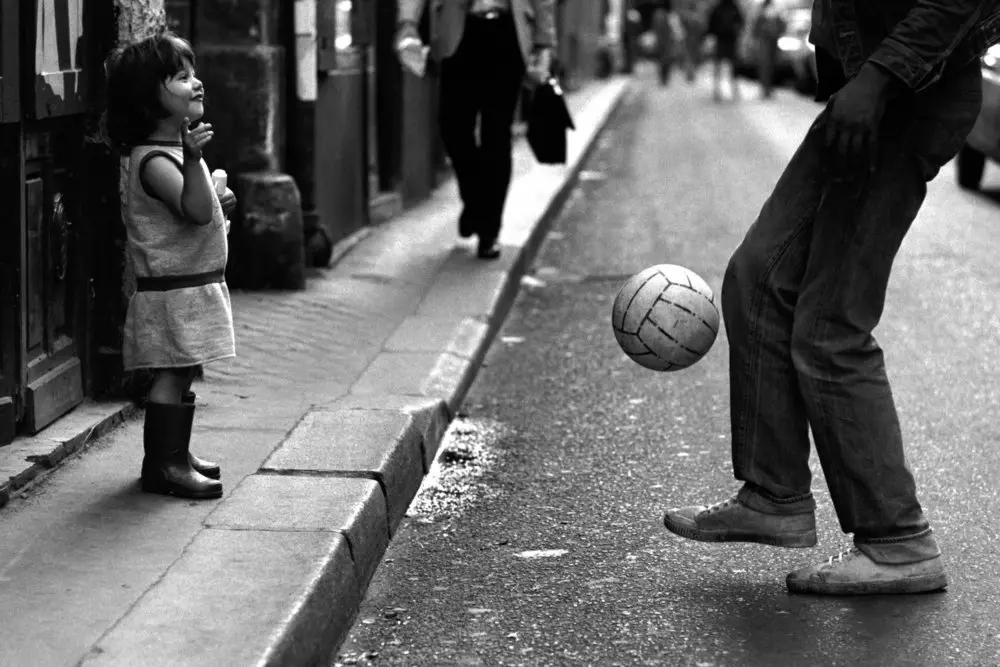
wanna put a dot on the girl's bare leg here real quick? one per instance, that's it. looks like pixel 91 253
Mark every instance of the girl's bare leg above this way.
pixel 168 386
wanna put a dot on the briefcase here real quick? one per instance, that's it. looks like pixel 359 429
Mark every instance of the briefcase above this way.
pixel 548 121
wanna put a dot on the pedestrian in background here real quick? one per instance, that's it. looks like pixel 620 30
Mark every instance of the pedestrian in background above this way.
pixel 768 26
pixel 180 315
pixel 807 286
pixel 725 24
pixel 485 47
pixel 669 37
pixel 692 20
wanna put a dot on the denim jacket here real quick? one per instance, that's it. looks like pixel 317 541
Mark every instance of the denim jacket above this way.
pixel 916 40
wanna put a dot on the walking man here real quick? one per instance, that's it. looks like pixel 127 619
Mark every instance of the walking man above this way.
pixel 669 37
pixel 806 287
pixel 484 47
pixel 767 28
pixel 725 23
pixel 692 20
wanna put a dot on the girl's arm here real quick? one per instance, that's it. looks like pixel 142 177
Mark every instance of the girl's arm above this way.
pixel 186 191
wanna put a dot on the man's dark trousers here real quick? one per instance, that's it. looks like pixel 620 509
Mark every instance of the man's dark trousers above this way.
pixel 482 81
pixel 801 297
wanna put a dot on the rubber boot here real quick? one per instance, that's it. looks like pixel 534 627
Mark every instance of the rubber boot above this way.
pixel 206 468
pixel 166 468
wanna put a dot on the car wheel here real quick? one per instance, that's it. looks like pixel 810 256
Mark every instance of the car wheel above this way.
pixel 970 166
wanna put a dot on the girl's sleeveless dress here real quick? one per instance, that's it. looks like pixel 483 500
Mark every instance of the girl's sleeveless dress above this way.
pixel 180 314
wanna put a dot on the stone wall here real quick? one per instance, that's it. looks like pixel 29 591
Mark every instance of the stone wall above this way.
pixel 139 18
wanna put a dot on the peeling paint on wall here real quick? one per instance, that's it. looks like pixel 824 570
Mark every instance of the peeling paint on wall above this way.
pixel 139 18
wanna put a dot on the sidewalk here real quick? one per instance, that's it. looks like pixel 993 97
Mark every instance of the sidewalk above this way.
pixel 324 426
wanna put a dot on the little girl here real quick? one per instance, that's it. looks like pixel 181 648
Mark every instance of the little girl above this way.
pixel 180 315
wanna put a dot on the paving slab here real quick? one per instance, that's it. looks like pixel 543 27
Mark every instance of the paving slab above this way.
pixel 467 290
pixel 375 444
pixel 454 333
pixel 354 507
pixel 399 373
pixel 240 597
pixel 431 415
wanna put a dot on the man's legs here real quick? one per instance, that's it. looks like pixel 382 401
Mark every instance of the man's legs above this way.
pixel 692 46
pixel 840 366
pixel 716 77
pixel 461 86
pixel 733 85
pixel 503 75
pixel 765 69
pixel 800 299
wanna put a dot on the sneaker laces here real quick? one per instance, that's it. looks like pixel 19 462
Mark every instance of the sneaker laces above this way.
pixel 720 505
pixel 846 553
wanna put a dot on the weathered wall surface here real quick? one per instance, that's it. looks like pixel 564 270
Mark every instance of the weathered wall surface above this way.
pixel 138 18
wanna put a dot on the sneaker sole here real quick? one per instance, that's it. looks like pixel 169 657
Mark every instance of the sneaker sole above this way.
pixel 924 584
pixel 787 540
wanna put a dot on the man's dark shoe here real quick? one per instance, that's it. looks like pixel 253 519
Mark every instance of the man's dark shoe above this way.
pixel 853 573
pixel 466 224
pixel 488 249
pixel 732 521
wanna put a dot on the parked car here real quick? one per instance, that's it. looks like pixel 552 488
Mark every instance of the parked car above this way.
pixel 984 140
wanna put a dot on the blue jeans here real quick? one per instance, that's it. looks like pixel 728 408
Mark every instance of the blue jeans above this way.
pixel 800 299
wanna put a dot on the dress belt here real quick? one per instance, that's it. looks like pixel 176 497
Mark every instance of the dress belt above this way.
pixel 167 283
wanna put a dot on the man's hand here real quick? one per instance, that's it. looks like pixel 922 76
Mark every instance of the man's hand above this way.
pixel 410 49
pixel 540 67
pixel 853 118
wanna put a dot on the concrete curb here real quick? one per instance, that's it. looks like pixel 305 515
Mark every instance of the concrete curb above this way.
pixel 323 507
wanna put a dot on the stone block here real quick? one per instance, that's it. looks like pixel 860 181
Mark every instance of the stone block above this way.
pixel 241 597
pixel 452 377
pixel 245 103
pixel 352 506
pixel 466 291
pixel 402 373
pixel 266 242
pixel 374 444
pixel 456 334
pixel 432 415
pixel 436 375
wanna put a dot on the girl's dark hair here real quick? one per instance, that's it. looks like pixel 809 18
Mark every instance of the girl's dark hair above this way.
pixel 135 73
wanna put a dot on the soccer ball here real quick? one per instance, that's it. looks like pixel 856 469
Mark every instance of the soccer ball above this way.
pixel 665 317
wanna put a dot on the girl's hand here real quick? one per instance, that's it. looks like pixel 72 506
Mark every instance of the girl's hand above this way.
pixel 228 201
pixel 194 140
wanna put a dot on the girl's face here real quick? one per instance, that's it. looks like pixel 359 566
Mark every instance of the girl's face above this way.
pixel 183 95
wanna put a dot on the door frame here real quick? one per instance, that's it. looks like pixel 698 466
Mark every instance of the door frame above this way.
pixel 11 177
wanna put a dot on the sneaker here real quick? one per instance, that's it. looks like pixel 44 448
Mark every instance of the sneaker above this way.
pixel 851 572
pixel 732 521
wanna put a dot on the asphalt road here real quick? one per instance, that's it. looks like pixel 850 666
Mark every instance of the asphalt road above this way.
pixel 539 542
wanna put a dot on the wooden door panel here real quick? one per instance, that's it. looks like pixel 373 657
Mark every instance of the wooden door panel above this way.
pixel 10 258
pixel 54 381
